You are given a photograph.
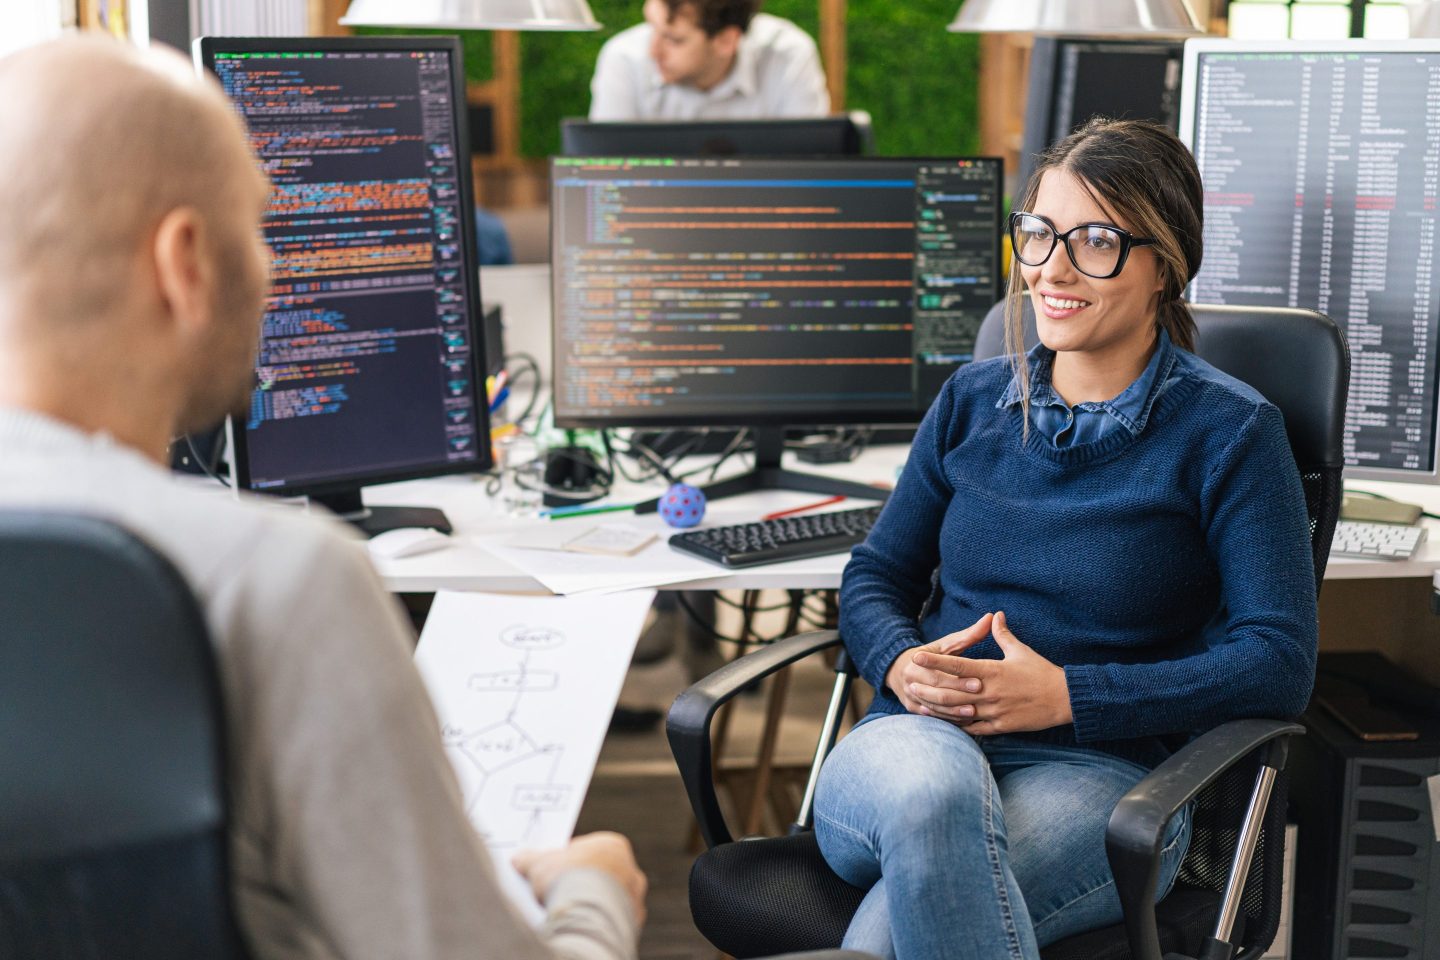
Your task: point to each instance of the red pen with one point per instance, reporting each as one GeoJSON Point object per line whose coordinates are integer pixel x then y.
{"type": "Point", "coordinates": [809, 506]}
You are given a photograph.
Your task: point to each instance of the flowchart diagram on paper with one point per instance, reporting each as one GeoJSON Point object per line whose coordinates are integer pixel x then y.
{"type": "Point", "coordinates": [524, 687]}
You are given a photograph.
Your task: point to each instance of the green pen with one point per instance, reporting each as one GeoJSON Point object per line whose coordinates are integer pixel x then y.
{"type": "Point", "coordinates": [560, 513]}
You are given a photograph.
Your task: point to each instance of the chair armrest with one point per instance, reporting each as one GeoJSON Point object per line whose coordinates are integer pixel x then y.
{"type": "Point", "coordinates": [688, 723]}
{"type": "Point", "coordinates": [1137, 825]}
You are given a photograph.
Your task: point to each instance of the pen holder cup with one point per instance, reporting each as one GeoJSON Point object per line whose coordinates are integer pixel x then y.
{"type": "Point", "coordinates": [522, 475]}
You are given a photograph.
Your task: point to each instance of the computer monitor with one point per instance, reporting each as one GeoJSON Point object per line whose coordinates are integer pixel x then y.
{"type": "Point", "coordinates": [1073, 79]}
{"type": "Point", "coordinates": [371, 358]}
{"type": "Point", "coordinates": [1321, 165]}
{"type": "Point", "coordinates": [765, 293]}
{"type": "Point", "coordinates": [845, 135]}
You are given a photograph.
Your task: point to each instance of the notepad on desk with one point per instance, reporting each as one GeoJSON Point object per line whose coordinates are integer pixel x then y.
{"type": "Point", "coordinates": [613, 540]}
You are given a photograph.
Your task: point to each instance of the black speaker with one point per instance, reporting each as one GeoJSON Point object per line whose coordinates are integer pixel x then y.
{"type": "Point", "coordinates": [573, 475]}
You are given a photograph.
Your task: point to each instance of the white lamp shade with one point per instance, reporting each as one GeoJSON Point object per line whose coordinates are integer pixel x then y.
{"type": "Point", "coordinates": [472, 14]}
{"type": "Point", "coordinates": [1127, 18]}
{"type": "Point", "coordinates": [1425, 20]}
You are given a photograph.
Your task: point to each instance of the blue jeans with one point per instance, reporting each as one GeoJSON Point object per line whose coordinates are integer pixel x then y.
{"type": "Point", "coordinates": [973, 849]}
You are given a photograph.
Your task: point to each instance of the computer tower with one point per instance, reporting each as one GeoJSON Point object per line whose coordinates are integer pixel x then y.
{"type": "Point", "coordinates": [1367, 868]}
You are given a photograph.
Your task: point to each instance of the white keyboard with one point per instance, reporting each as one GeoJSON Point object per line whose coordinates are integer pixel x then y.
{"type": "Point", "coordinates": [1375, 541]}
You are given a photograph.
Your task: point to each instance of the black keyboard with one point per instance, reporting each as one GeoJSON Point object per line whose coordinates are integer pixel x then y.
{"type": "Point", "coordinates": [786, 538]}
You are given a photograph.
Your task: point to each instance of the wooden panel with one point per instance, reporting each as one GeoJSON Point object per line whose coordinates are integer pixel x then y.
{"type": "Point", "coordinates": [325, 17]}
{"type": "Point", "coordinates": [832, 50]}
{"type": "Point", "coordinates": [506, 102]}
{"type": "Point", "coordinates": [1004, 72]}
{"type": "Point", "coordinates": [1392, 616]}
{"type": "Point", "coordinates": [504, 179]}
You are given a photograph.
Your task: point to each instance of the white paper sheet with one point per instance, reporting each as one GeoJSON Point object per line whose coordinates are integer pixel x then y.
{"type": "Point", "coordinates": [524, 688]}
{"type": "Point", "coordinates": [571, 573]}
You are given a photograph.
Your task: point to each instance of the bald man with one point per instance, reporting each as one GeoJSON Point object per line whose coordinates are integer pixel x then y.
{"type": "Point", "coordinates": [131, 280]}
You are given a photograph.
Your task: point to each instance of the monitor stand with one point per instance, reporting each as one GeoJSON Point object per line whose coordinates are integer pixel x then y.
{"type": "Point", "coordinates": [768, 475]}
{"type": "Point", "coordinates": [348, 506]}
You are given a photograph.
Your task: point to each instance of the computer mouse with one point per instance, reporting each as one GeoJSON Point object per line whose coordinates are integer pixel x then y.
{"type": "Point", "coordinates": [407, 542]}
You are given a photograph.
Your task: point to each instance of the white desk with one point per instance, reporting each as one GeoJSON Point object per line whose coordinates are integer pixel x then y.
{"type": "Point", "coordinates": [466, 566]}
{"type": "Point", "coordinates": [1427, 557]}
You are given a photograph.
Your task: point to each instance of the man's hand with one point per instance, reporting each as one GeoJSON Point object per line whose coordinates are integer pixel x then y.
{"type": "Point", "coordinates": [1022, 692]}
{"type": "Point", "coordinates": [609, 852]}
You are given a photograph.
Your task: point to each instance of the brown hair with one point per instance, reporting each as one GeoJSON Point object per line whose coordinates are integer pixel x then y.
{"type": "Point", "coordinates": [1142, 174]}
{"type": "Point", "coordinates": [715, 15]}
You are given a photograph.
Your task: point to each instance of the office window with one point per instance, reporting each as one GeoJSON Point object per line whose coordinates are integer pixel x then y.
{"type": "Point", "coordinates": [22, 24]}
{"type": "Point", "coordinates": [1387, 21]}
{"type": "Point", "coordinates": [1318, 19]}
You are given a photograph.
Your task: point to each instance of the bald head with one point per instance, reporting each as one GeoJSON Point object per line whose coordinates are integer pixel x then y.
{"type": "Point", "coordinates": [132, 274]}
{"type": "Point", "coordinates": [98, 141]}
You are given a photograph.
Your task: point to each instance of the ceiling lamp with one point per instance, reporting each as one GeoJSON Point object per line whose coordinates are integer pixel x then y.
{"type": "Point", "coordinates": [1124, 18]}
{"type": "Point", "coordinates": [1425, 19]}
{"type": "Point", "coordinates": [472, 14]}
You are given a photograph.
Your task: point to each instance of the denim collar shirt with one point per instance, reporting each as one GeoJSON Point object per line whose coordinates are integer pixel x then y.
{"type": "Point", "coordinates": [1092, 420]}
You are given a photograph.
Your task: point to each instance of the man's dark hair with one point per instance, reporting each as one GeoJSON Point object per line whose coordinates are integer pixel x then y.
{"type": "Point", "coordinates": [715, 15]}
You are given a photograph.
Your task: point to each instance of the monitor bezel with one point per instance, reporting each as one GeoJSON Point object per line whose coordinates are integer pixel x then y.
{"type": "Point", "coordinates": [1189, 95]}
{"type": "Point", "coordinates": [207, 48]}
{"type": "Point", "coordinates": [843, 123]}
{"type": "Point", "coordinates": [843, 416]}
{"type": "Point", "coordinates": [1043, 95]}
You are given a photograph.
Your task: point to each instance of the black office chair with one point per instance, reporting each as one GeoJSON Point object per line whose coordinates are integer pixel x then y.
{"type": "Point", "coordinates": [112, 773]}
{"type": "Point", "coordinates": [762, 896]}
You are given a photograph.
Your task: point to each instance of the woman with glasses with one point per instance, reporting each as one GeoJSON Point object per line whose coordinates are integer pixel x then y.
{"type": "Point", "coordinates": [1123, 561]}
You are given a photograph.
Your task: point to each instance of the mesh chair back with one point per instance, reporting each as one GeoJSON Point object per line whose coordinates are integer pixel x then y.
{"type": "Point", "coordinates": [112, 804]}
{"type": "Point", "coordinates": [1299, 361]}
{"type": "Point", "coordinates": [1215, 831]}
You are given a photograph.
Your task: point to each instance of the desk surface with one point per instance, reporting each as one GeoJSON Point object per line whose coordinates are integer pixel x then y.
{"type": "Point", "coordinates": [467, 566]}
{"type": "Point", "coordinates": [1427, 557]}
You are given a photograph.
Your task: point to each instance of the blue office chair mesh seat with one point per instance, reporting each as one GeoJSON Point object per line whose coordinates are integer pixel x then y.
{"type": "Point", "coordinates": [112, 792]}
{"type": "Point", "coordinates": [772, 895]}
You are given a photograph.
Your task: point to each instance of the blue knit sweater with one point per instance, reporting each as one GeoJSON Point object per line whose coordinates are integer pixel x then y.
{"type": "Point", "coordinates": [1168, 571]}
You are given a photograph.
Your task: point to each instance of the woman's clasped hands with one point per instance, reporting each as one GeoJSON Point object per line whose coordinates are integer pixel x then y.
{"type": "Point", "coordinates": [1019, 693]}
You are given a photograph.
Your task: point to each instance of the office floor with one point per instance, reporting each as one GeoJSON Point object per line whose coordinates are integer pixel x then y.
{"type": "Point", "coordinates": [637, 791]}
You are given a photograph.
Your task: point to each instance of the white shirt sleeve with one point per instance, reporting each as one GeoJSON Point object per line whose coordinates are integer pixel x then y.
{"type": "Point", "coordinates": [803, 91]}
{"type": "Point", "coordinates": [615, 89]}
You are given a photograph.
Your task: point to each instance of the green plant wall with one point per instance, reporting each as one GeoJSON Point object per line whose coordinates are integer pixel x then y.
{"type": "Point", "coordinates": [803, 13]}
{"type": "Point", "coordinates": [917, 81]}
{"type": "Point", "coordinates": [555, 71]}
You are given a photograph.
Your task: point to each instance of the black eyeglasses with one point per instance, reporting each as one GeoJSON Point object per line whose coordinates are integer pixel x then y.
{"type": "Point", "coordinates": [1102, 252]}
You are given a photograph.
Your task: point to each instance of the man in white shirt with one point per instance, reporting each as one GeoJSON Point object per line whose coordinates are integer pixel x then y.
{"type": "Point", "coordinates": [708, 60]}
{"type": "Point", "coordinates": [131, 281]}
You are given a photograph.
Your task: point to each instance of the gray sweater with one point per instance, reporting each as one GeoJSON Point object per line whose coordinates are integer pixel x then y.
{"type": "Point", "coordinates": [349, 836]}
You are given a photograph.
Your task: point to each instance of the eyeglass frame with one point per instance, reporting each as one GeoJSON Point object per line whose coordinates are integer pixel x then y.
{"type": "Point", "coordinates": [1128, 241]}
